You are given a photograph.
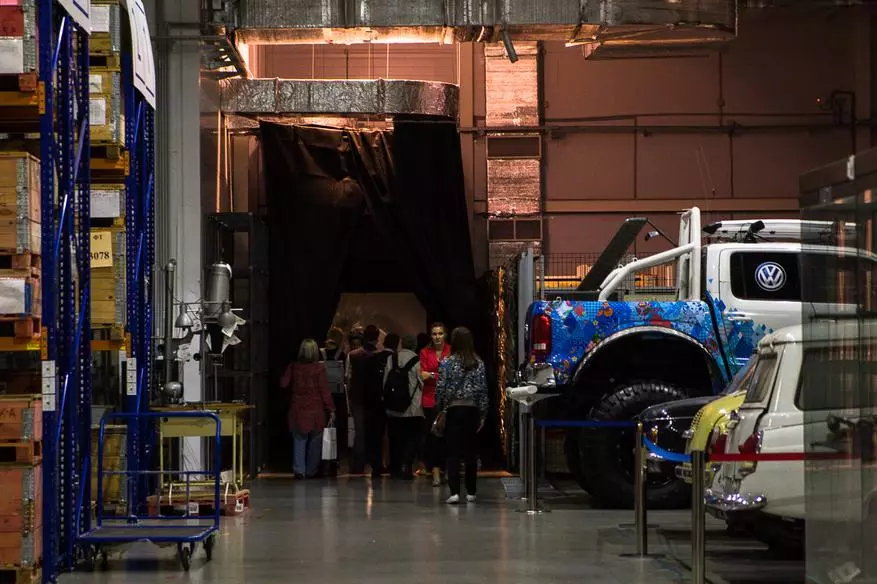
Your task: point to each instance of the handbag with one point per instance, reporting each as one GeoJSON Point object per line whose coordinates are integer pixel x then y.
{"type": "Point", "coordinates": [330, 443]}
{"type": "Point", "coordinates": [438, 425]}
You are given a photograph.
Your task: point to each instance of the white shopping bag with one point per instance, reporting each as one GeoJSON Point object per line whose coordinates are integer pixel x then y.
{"type": "Point", "coordinates": [330, 443]}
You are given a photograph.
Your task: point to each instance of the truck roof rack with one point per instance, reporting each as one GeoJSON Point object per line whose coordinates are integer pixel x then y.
{"type": "Point", "coordinates": [790, 230]}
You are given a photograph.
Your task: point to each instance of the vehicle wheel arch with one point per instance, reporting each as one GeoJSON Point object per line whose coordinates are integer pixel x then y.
{"type": "Point", "coordinates": [625, 339]}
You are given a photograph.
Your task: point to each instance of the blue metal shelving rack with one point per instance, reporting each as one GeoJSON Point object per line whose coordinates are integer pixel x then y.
{"type": "Point", "coordinates": [140, 253]}
{"type": "Point", "coordinates": [66, 345]}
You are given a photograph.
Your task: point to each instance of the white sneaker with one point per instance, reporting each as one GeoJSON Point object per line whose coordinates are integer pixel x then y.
{"type": "Point", "coordinates": [453, 500]}
{"type": "Point", "coordinates": [470, 498]}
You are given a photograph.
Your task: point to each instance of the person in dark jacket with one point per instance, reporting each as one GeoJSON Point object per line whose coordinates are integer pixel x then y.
{"type": "Point", "coordinates": [365, 393]}
{"type": "Point", "coordinates": [404, 426]}
{"type": "Point", "coordinates": [310, 403]}
{"type": "Point", "coordinates": [462, 393]}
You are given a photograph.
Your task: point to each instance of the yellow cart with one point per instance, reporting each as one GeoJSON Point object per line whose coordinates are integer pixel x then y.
{"type": "Point", "coordinates": [232, 418]}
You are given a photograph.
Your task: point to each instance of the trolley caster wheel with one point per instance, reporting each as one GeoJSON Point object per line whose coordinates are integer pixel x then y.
{"type": "Point", "coordinates": [104, 560]}
{"type": "Point", "coordinates": [208, 547]}
{"type": "Point", "coordinates": [185, 557]}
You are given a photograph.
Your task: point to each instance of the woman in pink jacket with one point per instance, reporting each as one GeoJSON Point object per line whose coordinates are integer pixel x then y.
{"type": "Point", "coordinates": [430, 358]}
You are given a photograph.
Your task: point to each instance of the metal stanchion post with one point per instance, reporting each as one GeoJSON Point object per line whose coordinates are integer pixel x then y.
{"type": "Point", "coordinates": [522, 446]}
{"type": "Point", "coordinates": [531, 491]}
{"type": "Point", "coordinates": [639, 495]}
{"type": "Point", "coordinates": [698, 517]}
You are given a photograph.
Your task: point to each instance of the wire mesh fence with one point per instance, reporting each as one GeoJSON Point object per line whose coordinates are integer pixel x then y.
{"type": "Point", "coordinates": [561, 273]}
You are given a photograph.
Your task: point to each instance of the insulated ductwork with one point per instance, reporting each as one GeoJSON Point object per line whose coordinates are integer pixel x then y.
{"type": "Point", "coordinates": [380, 97]}
{"type": "Point", "coordinates": [388, 21]}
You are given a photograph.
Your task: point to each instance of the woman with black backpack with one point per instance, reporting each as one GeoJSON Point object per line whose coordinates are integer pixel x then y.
{"type": "Point", "coordinates": [403, 390]}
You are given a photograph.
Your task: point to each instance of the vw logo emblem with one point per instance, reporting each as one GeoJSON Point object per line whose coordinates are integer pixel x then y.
{"type": "Point", "coordinates": [770, 276]}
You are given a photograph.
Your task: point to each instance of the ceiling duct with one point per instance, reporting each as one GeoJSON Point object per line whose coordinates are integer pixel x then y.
{"type": "Point", "coordinates": [390, 21]}
{"type": "Point", "coordinates": [381, 97]}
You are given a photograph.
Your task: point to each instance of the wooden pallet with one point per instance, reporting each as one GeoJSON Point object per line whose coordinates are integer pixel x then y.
{"type": "Point", "coordinates": [20, 326]}
{"type": "Point", "coordinates": [230, 506]}
{"type": "Point", "coordinates": [111, 61]}
{"type": "Point", "coordinates": [19, 82]}
{"type": "Point", "coordinates": [20, 264]}
{"type": "Point", "coordinates": [17, 452]}
{"type": "Point", "coordinates": [20, 575]}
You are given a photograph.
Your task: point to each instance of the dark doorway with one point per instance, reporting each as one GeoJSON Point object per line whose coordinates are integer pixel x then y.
{"type": "Point", "coordinates": [363, 211]}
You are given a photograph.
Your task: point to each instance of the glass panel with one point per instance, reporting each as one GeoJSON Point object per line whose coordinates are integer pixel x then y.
{"type": "Point", "coordinates": [759, 389]}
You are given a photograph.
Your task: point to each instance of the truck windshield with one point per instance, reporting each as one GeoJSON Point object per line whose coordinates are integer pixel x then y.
{"type": "Point", "coordinates": [743, 377]}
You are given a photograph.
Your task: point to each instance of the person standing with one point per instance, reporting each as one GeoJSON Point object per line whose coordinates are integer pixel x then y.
{"type": "Point", "coordinates": [462, 393]}
{"type": "Point", "coordinates": [402, 398]}
{"type": "Point", "coordinates": [308, 407]}
{"type": "Point", "coordinates": [335, 361]}
{"type": "Point", "coordinates": [365, 391]}
{"type": "Point", "coordinates": [430, 358]}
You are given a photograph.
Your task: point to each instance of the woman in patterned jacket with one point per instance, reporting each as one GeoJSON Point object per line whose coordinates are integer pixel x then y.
{"type": "Point", "coordinates": [461, 392]}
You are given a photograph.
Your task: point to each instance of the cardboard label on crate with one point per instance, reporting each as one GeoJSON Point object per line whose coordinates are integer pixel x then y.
{"type": "Point", "coordinates": [239, 506]}
{"type": "Point", "coordinates": [11, 56]}
{"type": "Point", "coordinates": [100, 19]}
{"type": "Point", "coordinates": [194, 508]}
{"type": "Point", "coordinates": [80, 11]}
{"type": "Point", "coordinates": [144, 65]}
{"type": "Point", "coordinates": [95, 84]}
{"type": "Point", "coordinates": [97, 111]}
{"type": "Point", "coordinates": [101, 249]}
{"type": "Point", "coordinates": [106, 203]}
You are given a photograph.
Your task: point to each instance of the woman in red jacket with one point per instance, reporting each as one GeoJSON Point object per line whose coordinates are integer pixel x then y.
{"type": "Point", "coordinates": [308, 406]}
{"type": "Point", "coordinates": [430, 358]}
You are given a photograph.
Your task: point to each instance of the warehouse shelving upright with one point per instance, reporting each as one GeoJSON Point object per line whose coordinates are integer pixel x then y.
{"type": "Point", "coordinates": [140, 251]}
{"type": "Point", "coordinates": [66, 350]}
{"type": "Point", "coordinates": [66, 163]}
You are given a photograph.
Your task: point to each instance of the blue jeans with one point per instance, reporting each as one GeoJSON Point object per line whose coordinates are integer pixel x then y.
{"type": "Point", "coordinates": [307, 452]}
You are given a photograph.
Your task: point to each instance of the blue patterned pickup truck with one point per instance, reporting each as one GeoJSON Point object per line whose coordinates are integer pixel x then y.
{"type": "Point", "coordinates": [611, 359]}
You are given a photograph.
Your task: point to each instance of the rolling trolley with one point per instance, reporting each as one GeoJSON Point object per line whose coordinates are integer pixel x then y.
{"type": "Point", "coordinates": [186, 531]}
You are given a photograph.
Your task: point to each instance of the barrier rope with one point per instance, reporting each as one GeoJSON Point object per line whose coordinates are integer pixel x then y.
{"type": "Point", "coordinates": [665, 454]}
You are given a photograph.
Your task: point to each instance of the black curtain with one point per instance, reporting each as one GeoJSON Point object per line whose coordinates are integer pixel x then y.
{"type": "Point", "coordinates": [366, 211]}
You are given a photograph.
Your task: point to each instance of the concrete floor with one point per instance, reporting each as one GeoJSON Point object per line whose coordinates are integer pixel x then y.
{"type": "Point", "coordinates": [347, 531]}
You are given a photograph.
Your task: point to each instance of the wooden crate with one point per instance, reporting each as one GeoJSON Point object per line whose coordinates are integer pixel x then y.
{"type": "Point", "coordinates": [21, 417]}
{"type": "Point", "coordinates": [108, 285]}
{"type": "Point", "coordinates": [106, 118]}
{"type": "Point", "coordinates": [19, 235]}
{"type": "Point", "coordinates": [19, 383]}
{"type": "Point", "coordinates": [20, 296]}
{"type": "Point", "coordinates": [22, 549]}
{"type": "Point", "coordinates": [21, 575]}
{"type": "Point", "coordinates": [19, 452]}
{"type": "Point", "coordinates": [18, 40]}
{"type": "Point", "coordinates": [106, 28]}
{"type": "Point", "coordinates": [115, 457]}
{"type": "Point", "coordinates": [20, 185]}
{"type": "Point", "coordinates": [20, 265]}
{"type": "Point", "coordinates": [21, 506]}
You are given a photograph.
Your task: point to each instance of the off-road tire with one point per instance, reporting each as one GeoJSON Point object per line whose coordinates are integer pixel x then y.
{"type": "Point", "coordinates": [607, 454]}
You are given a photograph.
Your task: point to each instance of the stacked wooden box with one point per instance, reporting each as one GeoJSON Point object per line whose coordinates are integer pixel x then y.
{"type": "Point", "coordinates": [20, 240]}
{"type": "Point", "coordinates": [18, 45]}
{"type": "Point", "coordinates": [108, 195]}
{"type": "Point", "coordinates": [115, 456]}
{"type": "Point", "coordinates": [21, 503]}
{"type": "Point", "coordinates": [106, 114]}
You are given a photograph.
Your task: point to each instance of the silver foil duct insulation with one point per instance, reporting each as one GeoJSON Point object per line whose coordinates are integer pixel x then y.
{"type": "Point", "coordinates": [281, 21]}
{"type": "Point", "coordinates": [513, 186]}
{"type": "Point", "coordinates": [321, 96]}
